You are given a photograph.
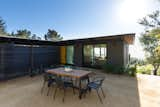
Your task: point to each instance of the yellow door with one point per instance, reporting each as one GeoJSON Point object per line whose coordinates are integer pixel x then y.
{"type": "Point", "coordinates": [63, 54]}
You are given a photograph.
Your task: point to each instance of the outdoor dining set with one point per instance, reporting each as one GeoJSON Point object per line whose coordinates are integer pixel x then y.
{"type": "Point", "coordinates": [75, 78]}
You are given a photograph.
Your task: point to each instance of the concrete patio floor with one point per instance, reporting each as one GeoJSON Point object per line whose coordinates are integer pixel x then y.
{"type": "Point", "coordinates": [121, 91]}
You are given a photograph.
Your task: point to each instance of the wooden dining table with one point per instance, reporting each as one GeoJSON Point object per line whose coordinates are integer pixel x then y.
{"type": "Point", "coordinates": [78, 74]}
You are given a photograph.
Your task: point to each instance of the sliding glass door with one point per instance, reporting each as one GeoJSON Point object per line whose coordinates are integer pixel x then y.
{"type": "Point", "coordinates": [95, 55]}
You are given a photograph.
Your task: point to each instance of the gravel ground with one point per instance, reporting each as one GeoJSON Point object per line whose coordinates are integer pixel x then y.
{"type": "Point", "coordinates": [121, 91]}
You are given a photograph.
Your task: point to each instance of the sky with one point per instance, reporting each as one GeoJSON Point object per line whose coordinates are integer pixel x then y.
{"type": "Point", "coordinates": [79, 18]}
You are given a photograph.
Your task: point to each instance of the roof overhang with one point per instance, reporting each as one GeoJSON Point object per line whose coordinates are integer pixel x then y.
{"type": "Point", "coordinates": [128, 38]}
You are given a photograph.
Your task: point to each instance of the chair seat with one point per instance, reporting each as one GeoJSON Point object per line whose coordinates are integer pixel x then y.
{"type": "Point", "coordinates": [93, 85]}
{"type": "Point", "coordinates": [51, 81]}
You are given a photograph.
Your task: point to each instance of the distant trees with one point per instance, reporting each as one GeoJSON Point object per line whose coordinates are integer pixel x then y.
{"type": "Point", "coordinates": [2, 27]}
{"type": "Point", "coordinates": [135, 61]}
{"type": "Point", "coordinates": [25, 34]}
{"type": "Point", "coordinates": [35, 37]}
{"type": "Point", "coordinates": [150, 39]}
{"type": "Point", "coordinates": [52, 35]}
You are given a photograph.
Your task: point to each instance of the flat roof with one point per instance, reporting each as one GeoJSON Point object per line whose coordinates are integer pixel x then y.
{"type": "Point", "coordinates": [129, 38]}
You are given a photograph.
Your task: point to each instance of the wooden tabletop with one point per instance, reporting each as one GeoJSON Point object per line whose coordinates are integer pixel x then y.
{"type": "Point", "coordinates": [74, 73]}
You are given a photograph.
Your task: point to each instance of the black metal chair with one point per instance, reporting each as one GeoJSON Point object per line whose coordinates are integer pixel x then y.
{"type": "Point", "coordinates": [63, 84]}
{"type": "Point", "coordinates": [96, 84]}
{"type": "Point", "coordinates": [49, 79]}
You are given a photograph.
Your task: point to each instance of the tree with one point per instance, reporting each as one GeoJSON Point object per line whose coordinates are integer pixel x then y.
{"type": "Point", "coordinates": [2, 27]}
{"type": "Point", "coordinates": [134, 61]}
{"type": "Point", "coordinates": [151, 21]}
{"type": "Point", "coordinates": [24, 33]}
{"type": "Point", "coordinates": [35, 37]}
{"type": "Point", "coordinates": [150, 39]}
{"type": "Point", "coordinates": [52, 35]}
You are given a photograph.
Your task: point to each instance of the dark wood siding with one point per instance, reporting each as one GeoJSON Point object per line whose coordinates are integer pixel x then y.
{"type": "Point", "coordinates": [115, 52]}
{"type": "Point", "coordinates": [17, 60]}
{"type": "Point", "coordinates": [78, 54]}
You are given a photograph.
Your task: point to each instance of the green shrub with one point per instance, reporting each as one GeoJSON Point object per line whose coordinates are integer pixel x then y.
{"type": "Point", "coordinates": [119, 70]}
{"type": "Point", "coordinates": [131, 70]}
{"type": "Point", "coordinates": [116, 69]}
{"type": "Point", "coordinates": [145, 69]}
{"type": "Point", "coordinates": [109, 68]}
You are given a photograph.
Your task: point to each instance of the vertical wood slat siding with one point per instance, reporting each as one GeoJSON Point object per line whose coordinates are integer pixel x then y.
{"type": "Point", "coordinates": [78, 55]}
{"type": "Point", "coordinates": [1, 62]}
{"type": "Point", "coordinates": [17, 59]}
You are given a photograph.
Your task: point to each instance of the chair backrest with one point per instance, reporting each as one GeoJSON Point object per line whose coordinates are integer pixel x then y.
{"type": "Point", "coordinates": [47, 76]}
{"type": "Point", "coordinates": [59, 81]}
{"type": "Point", "coordinates": [99, 79]}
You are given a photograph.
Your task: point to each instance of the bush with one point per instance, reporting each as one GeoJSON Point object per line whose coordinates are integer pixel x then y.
{"type": "Point", "coordinates": [116, 69]}
{"type": "Point", "coordinates": [145, 69]}
{"type": "Point", "coordinates": [119, 70]}
{"type": "Point", "coordinates": [131, 70]}
{"type": "Point", "coordinates": [109, 68]}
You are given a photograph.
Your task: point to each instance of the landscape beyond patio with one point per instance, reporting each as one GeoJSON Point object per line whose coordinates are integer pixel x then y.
{"type": "Point", "coordinates": [121, 91]}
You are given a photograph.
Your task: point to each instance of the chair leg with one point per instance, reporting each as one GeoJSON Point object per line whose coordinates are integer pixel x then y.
{"type": "Point", "coordinates": [64, 94]}
{"type": "Point", "coordinates": [103, 92]}
{"type": "Point", "coordinates": [48, 90]}
{"type": "Point", "coordinates": [85, 92]}
{"type": "Point", "coordinates": [52, 89]}
{"type": "Point", "coordinates": [73, 90]}
{"type": "Point", "coordinates": [88, 80]}
{"type": "Point", "coordinates": [55, 92]}
{"type": "Point", "coordinates": [43, 87]}
{"type": "Point", "coordinates": [99, 96]}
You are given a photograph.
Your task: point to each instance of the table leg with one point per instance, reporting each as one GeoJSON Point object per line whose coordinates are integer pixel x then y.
{"type": "Point", "coordinates": [80, 88]}
{"type": "Point", "coordinates": [88, 82]}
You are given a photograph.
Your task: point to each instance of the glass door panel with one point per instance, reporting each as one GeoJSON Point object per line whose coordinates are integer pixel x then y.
{"type": "Point", "coordinates": [88, 55]}
{"type": "Point", "coordinates": [95, 55]}
{"type": "Point", "coordinates": [70, 54]}
{"type": "Point", "coordinates": [99, 54]}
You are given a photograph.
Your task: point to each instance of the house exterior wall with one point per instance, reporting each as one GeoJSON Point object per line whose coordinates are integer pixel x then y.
{"type": "Point", "coordinates": [115, 52]}
{"type": "Point", "coordinates": [18, 60]}
{"type": "Point", "coordinates": [78, 54]}
{"type": "Point", "coordinates": [118, 52]}
{"type": "Point", "coordinates": [2, 75]}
